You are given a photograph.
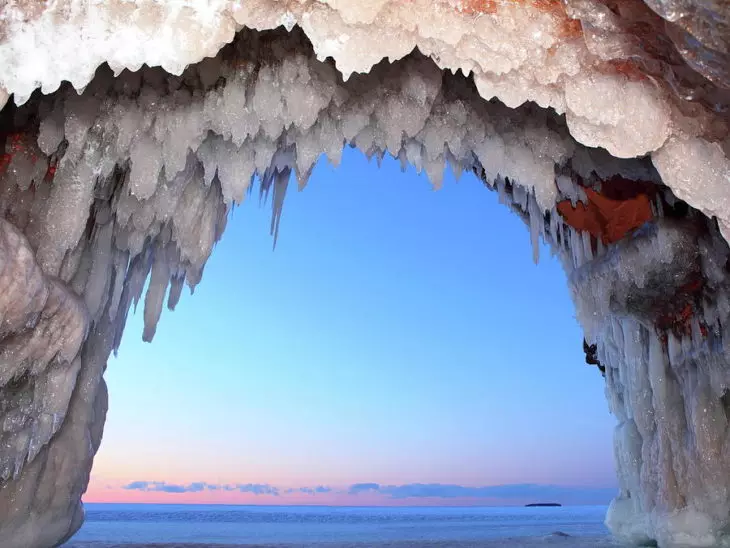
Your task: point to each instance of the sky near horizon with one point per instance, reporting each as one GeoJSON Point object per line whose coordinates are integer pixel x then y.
{"type": "Point", "coordinates": [399, 347]}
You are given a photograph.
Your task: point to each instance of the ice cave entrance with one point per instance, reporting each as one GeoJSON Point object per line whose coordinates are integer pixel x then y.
{"type": "Point", "coordinates": [135, 177]}
{"type": "Point", "coordinates": [394, 332]}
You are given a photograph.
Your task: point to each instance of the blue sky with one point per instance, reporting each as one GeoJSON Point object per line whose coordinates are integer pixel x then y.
{"type": "Point", "coordinates": [397, 336]}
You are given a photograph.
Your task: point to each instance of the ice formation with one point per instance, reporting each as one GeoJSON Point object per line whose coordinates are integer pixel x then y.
{"type": "Point", "coordinates": [130, 176]}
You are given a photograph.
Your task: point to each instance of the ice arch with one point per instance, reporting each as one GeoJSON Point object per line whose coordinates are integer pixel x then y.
{"type": "Point", "coordinates": [134, 177]}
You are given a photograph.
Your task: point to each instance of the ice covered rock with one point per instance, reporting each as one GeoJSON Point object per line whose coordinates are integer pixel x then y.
{"type": "Point", "coordinates": [563, 56]}
{"type": "Point", "coordinates": [129, 176]}
{"type": "Point", "coordinates": [654, 305]}
{"type": "Point", "coordinates": [667, 60]}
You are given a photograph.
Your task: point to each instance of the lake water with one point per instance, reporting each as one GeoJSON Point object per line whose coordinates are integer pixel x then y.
{"type": "Point", "coordinates": [205, 525]}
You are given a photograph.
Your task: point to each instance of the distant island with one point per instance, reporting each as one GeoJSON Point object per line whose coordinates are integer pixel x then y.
{"type": "Point", "coordinates": [551, 504]}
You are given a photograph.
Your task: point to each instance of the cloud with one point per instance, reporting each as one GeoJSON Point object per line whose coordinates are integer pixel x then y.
{"type": "Point", "coordinates": [513, 492]}
{"type": "Point", "coordinates": [164, 487]}
{"type": "Point", "coordinates": [517, 493]}
{"type": "Point", "coordinates": [309, 490]}
{"type": "Point", "coordinates": [137, 485]}
{"type": "Point", "coordinates": [200, 486]}
{"type": "Point", "coordinates": [257, 489]}
{"type": "Point", "coordinates": [357, 488]}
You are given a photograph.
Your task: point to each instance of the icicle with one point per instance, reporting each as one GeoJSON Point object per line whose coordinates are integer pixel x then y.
{"type": "Point", "coordinates": [504, 199]}
{"type": "Point", "coordinates": [146, 157]}
{"type": "Point", "coordinates": [121, 261]}
{"type": "Point", "coordinates": [674, 348]}
{"type": "Point", "coordinates": [561, 234]}
{"type": "Point", "coordinates": [303, 178]}
{"type": "Point", "coordinates": [156, 293]}
{"type": "Point", "coordinates": [99, 275]}
{"type": "Point", "coordinates": [600, 248]}
{"type": "Point", "coordinates": [403, 158]}
{"type": "Point", "coordinates": [537, 225]}
{"type": "Point", "coordinates": [283, 158]}
{"type": "Point", "coordinates": [280, 186]}
{"type": "Point", "coordinates": [176, 286]}
{"type": "Point", "coordinates": [587, 246]}
{"type": "Point", "coordinates": [686, 342]}
{"type": "Point", "coordinates": [659, 206]}
{"type": "Point", "coordinates": [576, 245]}
{"type": "Point", "coordinates": [568, 188]}
{"type": "Point", "coordinates": [519, 196]}
{"type": "Point", "coordinates": [414, 153]}
{"type": "Point", "coordinates": [554, 225]}
{"type": "Point", "coordinates": [265, 186]}
{"type": "Point", "coordinates": [134, 283]}
{"type": "Point", "coordinates": [696, 332]}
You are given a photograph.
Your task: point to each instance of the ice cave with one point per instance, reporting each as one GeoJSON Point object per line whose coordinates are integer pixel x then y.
{"type": "Point", "coordinates": [130, 128]}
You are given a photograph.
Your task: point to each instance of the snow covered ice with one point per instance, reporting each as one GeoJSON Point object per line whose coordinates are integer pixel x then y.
{"type": "Point", "coordinates": [125, 146]}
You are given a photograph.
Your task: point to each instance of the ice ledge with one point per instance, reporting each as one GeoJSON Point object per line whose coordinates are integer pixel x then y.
{"type": "Point", "coordinates": [516, 51]}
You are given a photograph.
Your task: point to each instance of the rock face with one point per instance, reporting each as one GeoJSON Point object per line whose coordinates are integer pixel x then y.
{"type": "Point", "coordinates": [132, 177]}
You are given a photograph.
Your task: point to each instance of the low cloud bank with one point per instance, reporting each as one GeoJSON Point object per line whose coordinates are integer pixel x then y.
{"type": "Point", "coordinates": [516, 493]}
{"type": "Point", "coordinates": [200, 486]}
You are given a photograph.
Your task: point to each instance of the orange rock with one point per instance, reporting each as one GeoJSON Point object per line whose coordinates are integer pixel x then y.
{"type": "Point", "coordinates": [607, 218]}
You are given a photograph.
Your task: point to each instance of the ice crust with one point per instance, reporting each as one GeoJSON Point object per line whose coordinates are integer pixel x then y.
{"type": "Point", "coordinates": [133, 180]}
{"type": "Point", "coordinates": [517, 51]}
{"type": "Point", "coordinates": [560, 56]}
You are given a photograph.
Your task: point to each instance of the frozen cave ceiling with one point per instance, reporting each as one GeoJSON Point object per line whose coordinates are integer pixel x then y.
{"type": "Point", "coordinates": [130, 128]}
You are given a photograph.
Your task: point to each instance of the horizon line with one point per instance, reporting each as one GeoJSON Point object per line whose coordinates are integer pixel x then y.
{"type": "Point", "coordinates": [264, 504]}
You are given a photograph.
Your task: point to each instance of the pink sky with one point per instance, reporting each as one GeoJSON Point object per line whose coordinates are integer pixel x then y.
{"type": "Point", "coordinates": [105, 491]}
{"type": "Point", "coordinates": [119, 495]}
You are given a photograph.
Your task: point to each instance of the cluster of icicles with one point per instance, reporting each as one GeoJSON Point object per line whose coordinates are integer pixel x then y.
{"type": "Point", "coordinates": [657, 306]}
{"type": "Point", "coordinates": [133, 180]}
{"type": "Point", "coordinates": [136, 176]}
